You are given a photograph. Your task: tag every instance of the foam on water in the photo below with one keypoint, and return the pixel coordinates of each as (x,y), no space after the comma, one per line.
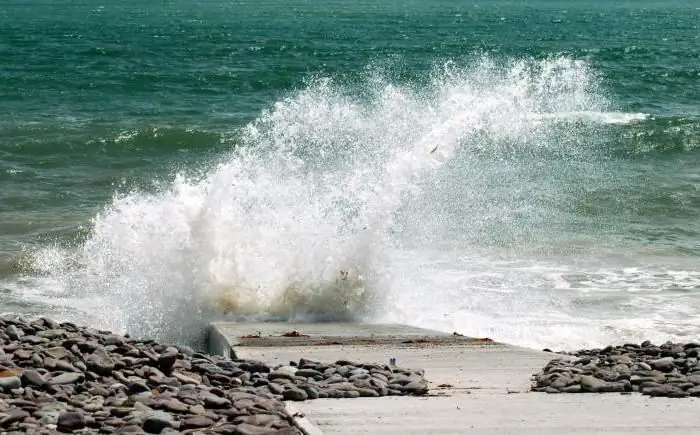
(299,220)
(539,304)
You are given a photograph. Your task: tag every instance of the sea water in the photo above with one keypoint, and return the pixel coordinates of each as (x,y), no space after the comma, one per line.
(526,171)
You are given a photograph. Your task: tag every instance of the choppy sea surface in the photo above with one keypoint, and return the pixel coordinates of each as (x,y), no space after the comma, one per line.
(526,171)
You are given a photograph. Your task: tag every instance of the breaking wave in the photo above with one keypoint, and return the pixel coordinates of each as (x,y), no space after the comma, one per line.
(295,221)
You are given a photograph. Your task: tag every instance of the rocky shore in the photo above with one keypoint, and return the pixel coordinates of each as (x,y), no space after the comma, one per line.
(65,378)
(668,370)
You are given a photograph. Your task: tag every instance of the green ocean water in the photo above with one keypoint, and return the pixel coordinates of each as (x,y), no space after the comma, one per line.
(529,166)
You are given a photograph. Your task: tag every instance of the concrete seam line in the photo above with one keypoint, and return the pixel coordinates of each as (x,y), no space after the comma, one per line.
(303,423)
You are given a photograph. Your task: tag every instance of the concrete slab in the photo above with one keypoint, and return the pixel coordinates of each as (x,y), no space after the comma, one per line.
(476,388)
(223,337)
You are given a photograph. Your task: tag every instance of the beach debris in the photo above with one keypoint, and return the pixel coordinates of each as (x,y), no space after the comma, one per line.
(294,334)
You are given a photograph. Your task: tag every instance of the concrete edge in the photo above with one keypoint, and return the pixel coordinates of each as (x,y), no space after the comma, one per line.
(225,337)
(218,343)
(303,423)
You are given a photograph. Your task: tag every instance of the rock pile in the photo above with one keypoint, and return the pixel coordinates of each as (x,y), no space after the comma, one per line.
(669,370)
(61,377)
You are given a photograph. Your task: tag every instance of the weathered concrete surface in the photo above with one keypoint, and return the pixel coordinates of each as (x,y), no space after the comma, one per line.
(224,335)
(476,388)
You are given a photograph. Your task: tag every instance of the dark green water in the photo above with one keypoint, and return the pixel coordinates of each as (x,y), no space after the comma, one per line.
(564,193)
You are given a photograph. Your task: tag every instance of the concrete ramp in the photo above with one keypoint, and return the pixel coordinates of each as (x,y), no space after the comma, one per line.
(477,385)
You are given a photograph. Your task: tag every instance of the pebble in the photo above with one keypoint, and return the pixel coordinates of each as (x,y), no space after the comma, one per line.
(67,378)
(667,370)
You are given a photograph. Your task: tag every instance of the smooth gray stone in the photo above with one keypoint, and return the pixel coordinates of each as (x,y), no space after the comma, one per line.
(10,383)
(665,365)
(665,391)
(52,334)
(295,394)
(308,373)
(71,421)
(213,401)
(311,391)
(32,377)
(14,332)
(67,378)
(591,384)
(168,358)
(11,416)
(155,422)
(100,361)
(572,389)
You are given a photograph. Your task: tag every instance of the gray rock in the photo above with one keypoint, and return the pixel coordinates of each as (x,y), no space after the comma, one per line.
(196,422)
(572,389)
(256,420)
(694,392)
(10,383)
(282,373)
(70,421)
(13,332)
(368,392)
(591,384)
(359,372)
(334,394)
(249,429)
(308,373)
(113,340)
(65,366)
(67,378)
(665,365)
(168,358)
(23,354)
(156,421)
(32,378)
(94,404)
(275,388)
(185,379)
(50,323)
(137,386)
(12,416)
(174,405)
(52,334)
(100,362)
(644,366)
(295,394)
(213,401)
(33,339)
(665,391)
(311,391)
(560,382)
(693,353)
(414,388)
(130,428)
